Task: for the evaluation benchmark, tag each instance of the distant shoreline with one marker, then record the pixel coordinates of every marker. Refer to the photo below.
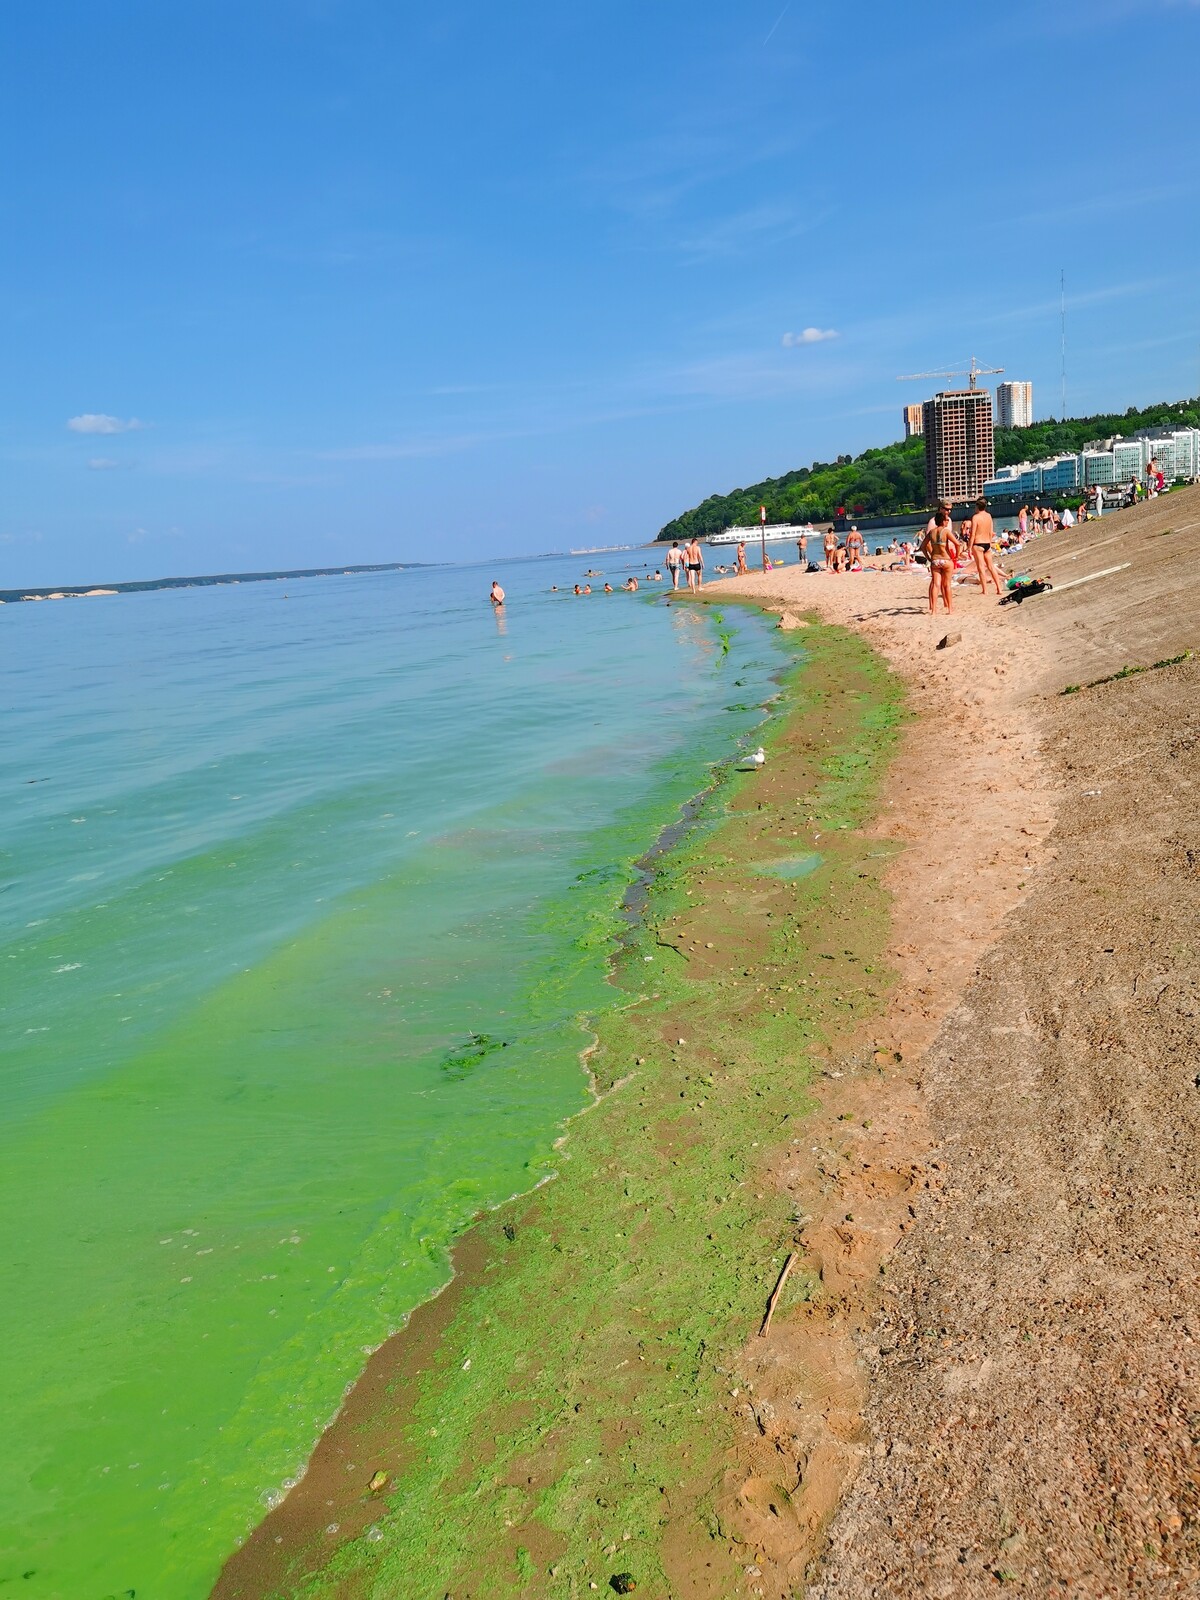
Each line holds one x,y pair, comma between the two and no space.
79,591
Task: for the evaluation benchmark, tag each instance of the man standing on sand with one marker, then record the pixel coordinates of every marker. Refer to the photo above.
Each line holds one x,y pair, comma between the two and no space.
674,563
932,523
940,549
693,560
980,541
802,551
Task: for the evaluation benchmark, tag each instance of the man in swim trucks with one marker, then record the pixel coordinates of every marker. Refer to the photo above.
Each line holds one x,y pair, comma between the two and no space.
980,540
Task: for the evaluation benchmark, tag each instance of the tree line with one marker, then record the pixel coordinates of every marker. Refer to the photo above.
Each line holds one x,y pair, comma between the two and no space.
891,480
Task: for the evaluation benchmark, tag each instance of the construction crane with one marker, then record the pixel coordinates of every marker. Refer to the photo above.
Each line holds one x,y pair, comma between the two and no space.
972,372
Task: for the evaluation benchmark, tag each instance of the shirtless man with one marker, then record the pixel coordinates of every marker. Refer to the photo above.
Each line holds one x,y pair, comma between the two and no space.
831,544
940,549
980,541
932,523
802,550
631,585
675,563
693,559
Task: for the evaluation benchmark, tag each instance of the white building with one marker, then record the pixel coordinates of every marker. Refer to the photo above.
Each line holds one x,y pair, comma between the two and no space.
1175,452
1129,458
1014,405
1058,473
1097,466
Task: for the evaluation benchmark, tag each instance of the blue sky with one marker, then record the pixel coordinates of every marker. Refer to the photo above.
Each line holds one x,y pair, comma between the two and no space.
307,282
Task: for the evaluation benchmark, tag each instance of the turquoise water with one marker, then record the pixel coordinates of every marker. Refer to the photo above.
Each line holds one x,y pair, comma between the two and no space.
303,903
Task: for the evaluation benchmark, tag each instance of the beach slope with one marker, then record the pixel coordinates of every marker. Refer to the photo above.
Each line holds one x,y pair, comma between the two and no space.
1032,1358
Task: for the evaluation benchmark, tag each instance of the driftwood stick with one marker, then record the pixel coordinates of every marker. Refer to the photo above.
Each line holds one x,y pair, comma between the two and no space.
775,1293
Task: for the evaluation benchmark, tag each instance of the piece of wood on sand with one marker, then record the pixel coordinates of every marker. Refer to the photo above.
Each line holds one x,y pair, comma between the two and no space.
775,1293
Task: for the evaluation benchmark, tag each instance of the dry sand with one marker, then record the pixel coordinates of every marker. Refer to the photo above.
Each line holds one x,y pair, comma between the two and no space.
1008,1395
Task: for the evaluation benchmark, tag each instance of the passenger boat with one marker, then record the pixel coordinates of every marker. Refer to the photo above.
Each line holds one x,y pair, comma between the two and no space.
773,531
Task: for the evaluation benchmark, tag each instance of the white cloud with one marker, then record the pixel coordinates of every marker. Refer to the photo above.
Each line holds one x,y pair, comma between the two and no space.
99,422
103,464
808,336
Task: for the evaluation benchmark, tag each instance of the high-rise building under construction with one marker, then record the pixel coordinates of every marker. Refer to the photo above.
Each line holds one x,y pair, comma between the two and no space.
960,453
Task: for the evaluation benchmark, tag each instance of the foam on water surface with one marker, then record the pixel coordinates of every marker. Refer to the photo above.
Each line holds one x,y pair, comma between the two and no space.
790,866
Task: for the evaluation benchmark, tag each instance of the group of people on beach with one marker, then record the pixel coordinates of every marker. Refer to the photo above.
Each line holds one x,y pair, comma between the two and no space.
1045,519
687,563
941,549
944,552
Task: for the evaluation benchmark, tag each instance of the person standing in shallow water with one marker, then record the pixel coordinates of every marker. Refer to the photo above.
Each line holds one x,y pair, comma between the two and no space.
674,563
694,562
940,549
497,594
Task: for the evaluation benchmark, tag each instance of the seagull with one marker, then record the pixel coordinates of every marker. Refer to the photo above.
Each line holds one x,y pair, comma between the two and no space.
759,757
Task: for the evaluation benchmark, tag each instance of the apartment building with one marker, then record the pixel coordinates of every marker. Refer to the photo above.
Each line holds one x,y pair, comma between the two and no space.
1014,405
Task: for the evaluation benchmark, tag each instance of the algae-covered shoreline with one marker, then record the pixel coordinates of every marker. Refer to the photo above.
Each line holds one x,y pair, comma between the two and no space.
562,1413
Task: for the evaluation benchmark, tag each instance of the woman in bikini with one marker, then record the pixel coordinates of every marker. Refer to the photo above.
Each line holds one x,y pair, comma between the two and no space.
940,549
831,544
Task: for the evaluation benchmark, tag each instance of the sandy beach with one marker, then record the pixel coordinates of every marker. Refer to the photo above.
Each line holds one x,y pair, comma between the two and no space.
1029,1366
950,1075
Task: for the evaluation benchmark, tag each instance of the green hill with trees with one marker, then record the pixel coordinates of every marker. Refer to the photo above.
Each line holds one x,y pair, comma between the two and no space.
883,482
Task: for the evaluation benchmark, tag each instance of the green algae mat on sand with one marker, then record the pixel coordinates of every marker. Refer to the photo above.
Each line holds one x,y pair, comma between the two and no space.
563,1419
